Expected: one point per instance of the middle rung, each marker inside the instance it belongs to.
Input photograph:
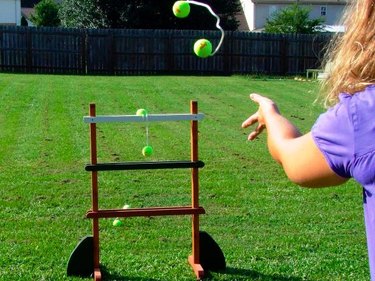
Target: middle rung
(144, 165)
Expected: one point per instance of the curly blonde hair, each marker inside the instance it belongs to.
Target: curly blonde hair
(351, 56)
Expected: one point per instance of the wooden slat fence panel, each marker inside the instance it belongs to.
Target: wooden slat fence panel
(55, 51)
(14, 50)
(140, 52)
(42, 50)
(305, 52)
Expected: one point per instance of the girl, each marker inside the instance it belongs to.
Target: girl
(341, 144)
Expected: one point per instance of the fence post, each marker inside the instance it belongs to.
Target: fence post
(112, 55)
(1, 51)
(284, 56)
(228, 53)
(29, 51)
(170, 53)
(83, 54)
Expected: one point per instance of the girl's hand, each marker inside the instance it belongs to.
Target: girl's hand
(266, 107)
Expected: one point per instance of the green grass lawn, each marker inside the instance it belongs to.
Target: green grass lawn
(268, 228)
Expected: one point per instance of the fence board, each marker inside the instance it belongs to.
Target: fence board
(139, 52)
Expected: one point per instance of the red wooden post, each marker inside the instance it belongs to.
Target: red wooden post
(94, 195)
(194, 259)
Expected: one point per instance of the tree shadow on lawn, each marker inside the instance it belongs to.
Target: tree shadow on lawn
(237, 274)
(116, 276)
(240, 274)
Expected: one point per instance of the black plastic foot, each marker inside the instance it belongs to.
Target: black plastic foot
(81, 262)
(211, 256)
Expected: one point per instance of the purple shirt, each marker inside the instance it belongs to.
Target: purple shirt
(345, 134)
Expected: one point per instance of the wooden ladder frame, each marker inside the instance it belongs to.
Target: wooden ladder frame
(194, 164)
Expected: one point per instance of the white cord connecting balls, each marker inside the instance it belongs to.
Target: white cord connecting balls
(147, 150)
(202, 47)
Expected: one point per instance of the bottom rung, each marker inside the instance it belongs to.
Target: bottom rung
(145, 212)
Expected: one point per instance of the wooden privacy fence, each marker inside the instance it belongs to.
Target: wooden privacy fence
(129, 51)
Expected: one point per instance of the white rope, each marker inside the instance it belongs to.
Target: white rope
(217, 22)
(146, 129)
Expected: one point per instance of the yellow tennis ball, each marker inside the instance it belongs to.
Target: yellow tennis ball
(181, 9)
(147, 151)
(203, 48)
(141, 112)
(117, 222)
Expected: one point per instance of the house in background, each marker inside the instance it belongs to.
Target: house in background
(10, 12)
(256, 12)
(27, 8)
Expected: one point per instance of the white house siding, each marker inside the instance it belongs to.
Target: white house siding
(246, 18)
(333, 13)
(10, 12)
(263, 12)
(256, 14)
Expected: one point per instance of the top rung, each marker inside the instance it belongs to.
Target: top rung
(147, 118)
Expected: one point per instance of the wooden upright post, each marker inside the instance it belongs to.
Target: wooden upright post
(94, 195)
(194, 259)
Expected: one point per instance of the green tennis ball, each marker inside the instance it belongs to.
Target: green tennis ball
(203, 48)
(181, 9)
(141, 112)
(117, 222)
(147, 151)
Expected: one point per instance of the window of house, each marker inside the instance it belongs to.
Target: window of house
(272, 10)
(323, 11)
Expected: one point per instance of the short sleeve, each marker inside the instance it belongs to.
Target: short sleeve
(334, 135)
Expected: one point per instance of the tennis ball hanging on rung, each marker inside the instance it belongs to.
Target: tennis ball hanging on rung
(147, 150)
(181, 9)
(203, 48)
(141, 112)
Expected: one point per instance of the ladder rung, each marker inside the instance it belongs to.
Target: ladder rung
(145, 212)
(144, 165)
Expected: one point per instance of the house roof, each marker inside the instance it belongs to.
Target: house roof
(29, 3)
(321, 2)
(26, 12)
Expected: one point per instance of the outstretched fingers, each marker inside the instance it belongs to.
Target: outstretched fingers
(253, 119)
(258, 130)
(250, 121)
(257, 117)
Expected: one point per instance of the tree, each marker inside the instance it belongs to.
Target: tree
(293, 19)
(46, 13)
(82, 14)
(145, 14)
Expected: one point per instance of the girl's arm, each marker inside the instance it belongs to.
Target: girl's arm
(302, 161)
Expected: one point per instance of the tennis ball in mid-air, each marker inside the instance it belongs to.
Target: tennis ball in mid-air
(147, 150)
(203, 48)
(141, 112)
(117, 222)
(181, 9)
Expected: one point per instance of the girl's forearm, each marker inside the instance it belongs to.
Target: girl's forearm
(279, 131)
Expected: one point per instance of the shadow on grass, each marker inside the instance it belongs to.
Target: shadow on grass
(240, 274)
(237, 274)
(116, 276)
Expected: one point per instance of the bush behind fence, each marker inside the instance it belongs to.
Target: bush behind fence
(139, 52)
